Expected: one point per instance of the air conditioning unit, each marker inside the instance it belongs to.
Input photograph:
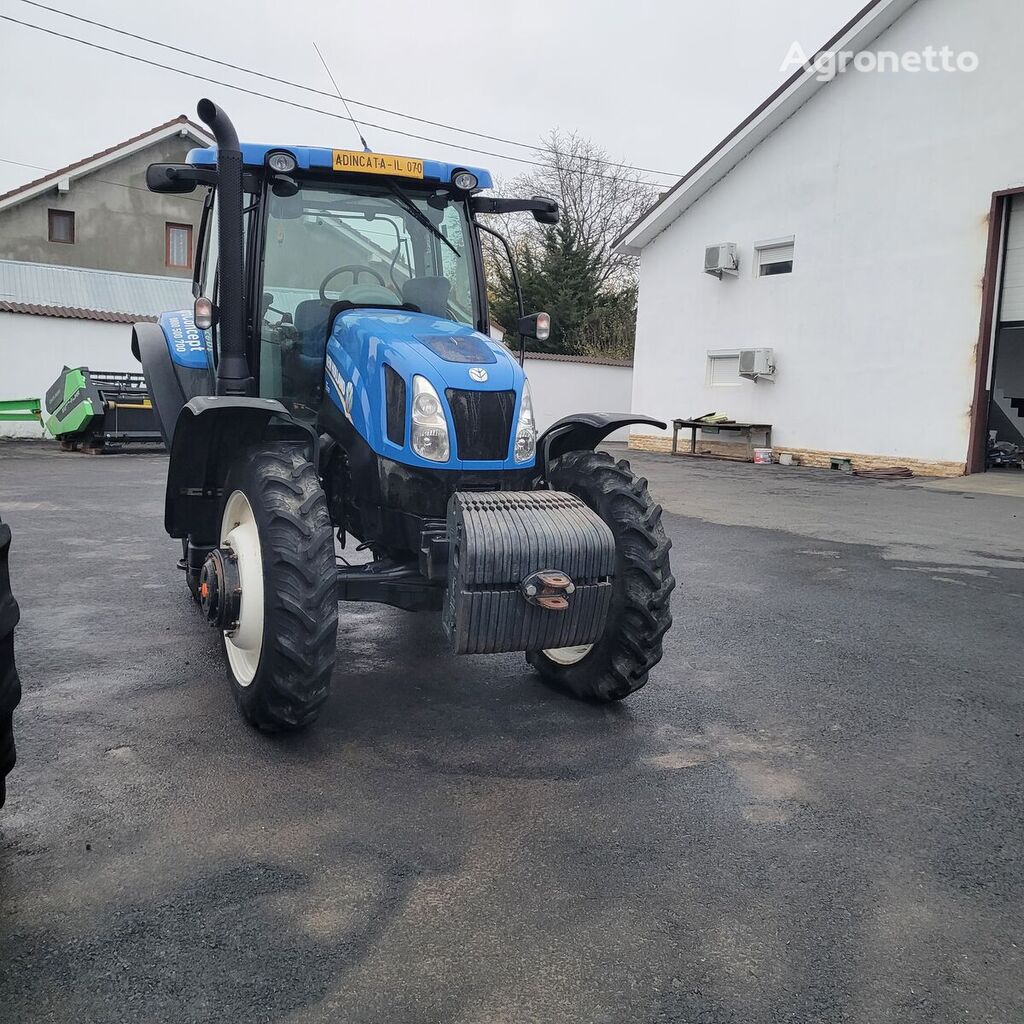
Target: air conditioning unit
(756, 363)
(721, 259)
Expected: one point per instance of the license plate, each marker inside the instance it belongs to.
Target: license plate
(377, 163)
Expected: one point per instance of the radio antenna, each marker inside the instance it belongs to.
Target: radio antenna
(355, 123)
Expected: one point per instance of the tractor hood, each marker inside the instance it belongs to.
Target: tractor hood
(450, 355)
(443, 350)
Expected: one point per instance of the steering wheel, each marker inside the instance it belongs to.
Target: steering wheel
(356, 270)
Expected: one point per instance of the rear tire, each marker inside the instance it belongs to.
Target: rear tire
(640, 614)
(281, 680)
(10, 685)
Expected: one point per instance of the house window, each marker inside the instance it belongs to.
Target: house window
(178, 245)
(723, 369)
(775, 257)
(61, 226)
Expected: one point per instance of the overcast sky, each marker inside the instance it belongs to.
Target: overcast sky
(654, 82)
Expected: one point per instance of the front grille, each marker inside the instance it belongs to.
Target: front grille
(483, 423)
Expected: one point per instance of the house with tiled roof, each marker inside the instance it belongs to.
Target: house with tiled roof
(98, 214)
(86, 250)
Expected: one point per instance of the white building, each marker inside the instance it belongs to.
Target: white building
(878, 220)
(71, 316)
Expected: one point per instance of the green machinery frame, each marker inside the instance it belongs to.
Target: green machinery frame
(21, 410)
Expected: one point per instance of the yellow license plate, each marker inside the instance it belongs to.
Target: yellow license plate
(377, 163)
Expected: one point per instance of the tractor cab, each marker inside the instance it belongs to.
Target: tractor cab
(333, 230)
(357, 264)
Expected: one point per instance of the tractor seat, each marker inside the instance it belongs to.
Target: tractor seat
(310, 317)
(310, 320)
(428, 294)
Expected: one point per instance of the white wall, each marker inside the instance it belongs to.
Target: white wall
(560, 388)
(886, 182)
(34, 349)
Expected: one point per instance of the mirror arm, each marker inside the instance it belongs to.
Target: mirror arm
(515, 281)
(545, 211)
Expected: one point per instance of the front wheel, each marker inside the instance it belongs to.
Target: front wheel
(276, 534)
(618, 664)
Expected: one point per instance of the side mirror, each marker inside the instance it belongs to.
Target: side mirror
(178, 178)
(536, 325)
(548, 213)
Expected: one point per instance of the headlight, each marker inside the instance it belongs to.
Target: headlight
(526, 432)
(429, 427)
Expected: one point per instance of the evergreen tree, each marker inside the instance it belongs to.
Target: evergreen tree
(571, 270)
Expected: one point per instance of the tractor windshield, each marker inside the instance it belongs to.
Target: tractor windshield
(357, 243)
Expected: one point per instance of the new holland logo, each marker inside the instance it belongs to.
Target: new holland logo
(478, 373)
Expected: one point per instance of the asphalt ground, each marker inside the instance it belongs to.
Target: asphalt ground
(813, 812)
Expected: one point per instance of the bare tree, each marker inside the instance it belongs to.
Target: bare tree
(572, 270)
(599, 199)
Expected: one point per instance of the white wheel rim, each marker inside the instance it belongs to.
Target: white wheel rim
(568, 655)
(245, 643)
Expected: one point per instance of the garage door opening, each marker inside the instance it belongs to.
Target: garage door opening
(997, 417)
(1004, 446)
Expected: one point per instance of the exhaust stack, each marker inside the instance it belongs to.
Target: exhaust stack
(233, 377)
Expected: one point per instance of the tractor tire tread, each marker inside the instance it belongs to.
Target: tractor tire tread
(300, 590)
(620, 662)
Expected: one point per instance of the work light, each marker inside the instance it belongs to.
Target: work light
(202, 315)
(283, 163)
(465, 181)
(543, 326)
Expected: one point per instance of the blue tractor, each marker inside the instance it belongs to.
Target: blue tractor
(336, 379)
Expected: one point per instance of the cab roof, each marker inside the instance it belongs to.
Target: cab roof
(316, 158)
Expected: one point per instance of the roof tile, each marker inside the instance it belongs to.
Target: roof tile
(62, 171)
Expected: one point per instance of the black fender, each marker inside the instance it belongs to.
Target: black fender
(170, 386)
(583, 431)
(209, 434)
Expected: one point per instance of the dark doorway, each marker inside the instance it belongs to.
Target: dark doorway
(1006, 405)
(998, 408)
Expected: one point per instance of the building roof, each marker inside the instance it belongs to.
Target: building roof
(69, 313)
(47, 290)
(857, 34)
(179, 125)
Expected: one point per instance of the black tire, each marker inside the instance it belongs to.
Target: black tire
(619, 663)
(10, 685)
(300, 603)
